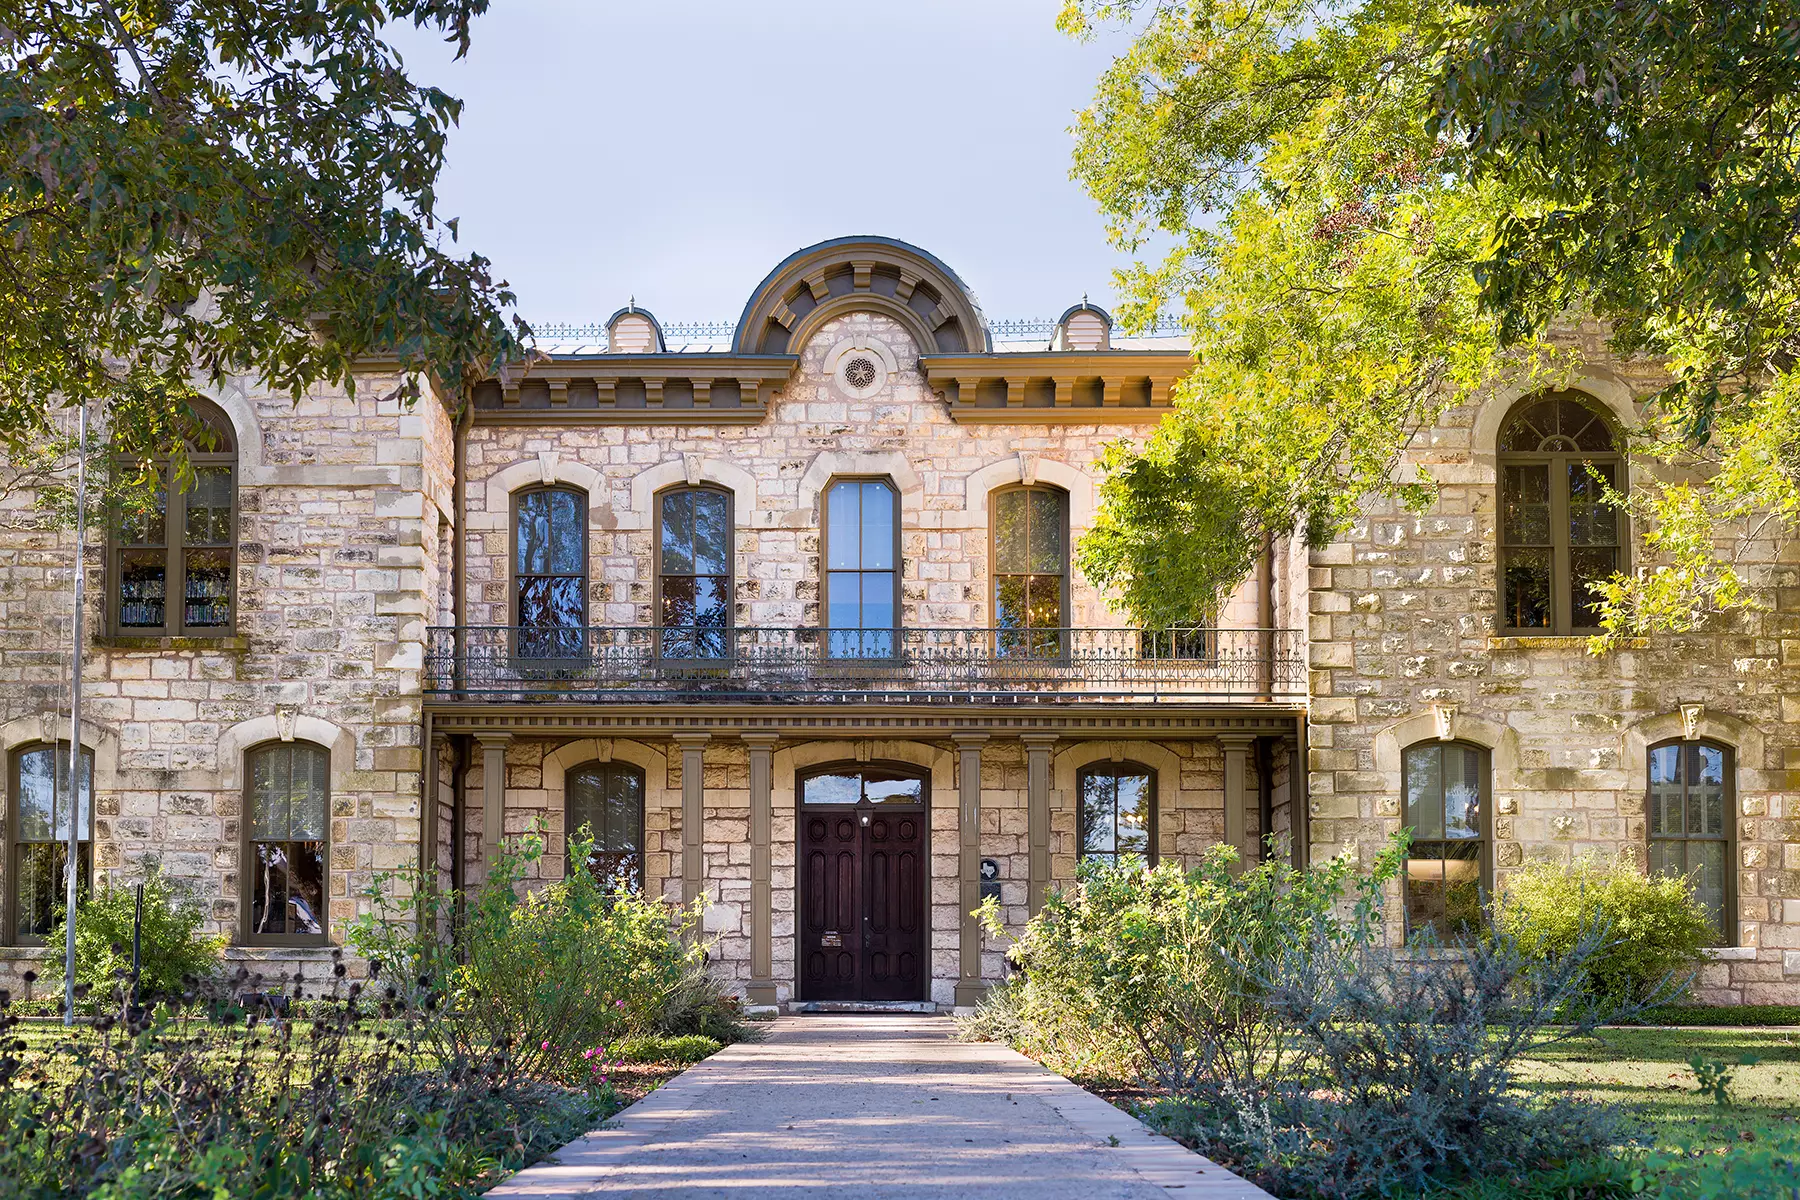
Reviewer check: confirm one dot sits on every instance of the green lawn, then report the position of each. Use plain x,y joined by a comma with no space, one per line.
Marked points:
1647,1071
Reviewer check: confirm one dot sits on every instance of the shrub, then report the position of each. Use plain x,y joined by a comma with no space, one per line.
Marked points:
546,973
1656,927
173,953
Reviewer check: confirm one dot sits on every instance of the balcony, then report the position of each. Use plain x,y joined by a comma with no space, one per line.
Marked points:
643,665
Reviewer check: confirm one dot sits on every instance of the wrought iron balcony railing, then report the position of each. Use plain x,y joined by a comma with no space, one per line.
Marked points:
998,666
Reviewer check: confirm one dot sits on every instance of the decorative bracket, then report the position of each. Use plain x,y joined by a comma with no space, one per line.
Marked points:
1690,721
691,465
547,465
1028,465
284,721
1443,716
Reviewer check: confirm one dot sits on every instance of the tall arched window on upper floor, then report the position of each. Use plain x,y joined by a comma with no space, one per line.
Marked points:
39,824
174,547
1448,865
1118,813
693,572
1690,809
550,570
1030,556
287,844
862,568
606,800
1557,536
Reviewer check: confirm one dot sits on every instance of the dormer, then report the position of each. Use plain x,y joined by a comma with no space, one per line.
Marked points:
631,330
1084,327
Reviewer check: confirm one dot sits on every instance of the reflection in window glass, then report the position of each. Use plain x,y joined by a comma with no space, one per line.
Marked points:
861,574
289,811
1689,824
41,839
871,786
550,571
1446,786
695,581
1030,569
606,800
1118,806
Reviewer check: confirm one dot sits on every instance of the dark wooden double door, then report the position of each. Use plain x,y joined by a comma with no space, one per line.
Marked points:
862,851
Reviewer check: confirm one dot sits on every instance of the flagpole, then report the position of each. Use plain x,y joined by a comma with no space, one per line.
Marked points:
72,868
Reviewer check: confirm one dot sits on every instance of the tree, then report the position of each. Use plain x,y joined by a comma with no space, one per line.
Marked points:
191,189
1655,145
1378,206
1322,246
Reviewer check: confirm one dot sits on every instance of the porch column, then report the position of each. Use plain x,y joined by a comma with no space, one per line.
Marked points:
493,795
693,798
970,987
1238,795
761,988
1037,802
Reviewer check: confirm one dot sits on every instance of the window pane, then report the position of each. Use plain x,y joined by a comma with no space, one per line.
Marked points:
712,534
208,507
207,576
289,790
1706,795
1591,521
678,533
1097,813
142,519
710,607
1665,815
878,600
831,789
1462,794
143,588
1010,610
532,537
41,889
843,599
1134,815
893,791
550,533
1526,590
624,811
877,526
566,533
1009,531
550,601
1706,871
38,783
1045,607
288,891
1425,792
843,525
1525,505
1046,533
678,601
585,804
1443,889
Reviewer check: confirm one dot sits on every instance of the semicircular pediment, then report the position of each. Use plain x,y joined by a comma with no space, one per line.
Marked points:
875,274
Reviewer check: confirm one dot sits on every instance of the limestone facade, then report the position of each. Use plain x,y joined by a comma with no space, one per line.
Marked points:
376,564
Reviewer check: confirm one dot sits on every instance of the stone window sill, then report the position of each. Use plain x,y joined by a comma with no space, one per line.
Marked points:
1729,953
223,645
29,953
1556,641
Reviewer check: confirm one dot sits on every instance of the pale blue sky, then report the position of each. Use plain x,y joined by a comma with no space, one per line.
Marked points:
676,150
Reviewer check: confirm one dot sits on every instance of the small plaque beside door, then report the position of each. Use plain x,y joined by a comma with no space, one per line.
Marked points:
990,880
831,938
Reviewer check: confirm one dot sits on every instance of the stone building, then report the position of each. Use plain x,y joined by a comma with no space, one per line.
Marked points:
790,623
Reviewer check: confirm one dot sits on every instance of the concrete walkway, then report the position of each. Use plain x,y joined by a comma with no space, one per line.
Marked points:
878,1106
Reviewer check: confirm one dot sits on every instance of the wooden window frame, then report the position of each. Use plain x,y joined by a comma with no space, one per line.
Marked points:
247,858
825,569
1153,825
569,827
1557,464
1063,601
656,614
174,545
513,575
1729,919
9,911
1484,879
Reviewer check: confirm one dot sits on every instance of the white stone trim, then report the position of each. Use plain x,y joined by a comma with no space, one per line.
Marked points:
1501,741
275,727
938,763
245,426
980,484
1606,388
547,468
690,469
829,464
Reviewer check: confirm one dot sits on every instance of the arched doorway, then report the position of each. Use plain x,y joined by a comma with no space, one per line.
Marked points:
862,851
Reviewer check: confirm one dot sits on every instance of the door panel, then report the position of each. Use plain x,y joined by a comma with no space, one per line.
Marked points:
862,936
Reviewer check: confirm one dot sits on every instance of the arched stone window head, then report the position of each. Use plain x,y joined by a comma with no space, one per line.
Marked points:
1557,456
1448,867
173,547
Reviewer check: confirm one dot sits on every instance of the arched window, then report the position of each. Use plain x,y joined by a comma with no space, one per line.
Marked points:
1030,556
1446,788
39,820
1556,534
1690,808
862,568
693,571
1118,813
550,570
287,835
173,550
607,801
